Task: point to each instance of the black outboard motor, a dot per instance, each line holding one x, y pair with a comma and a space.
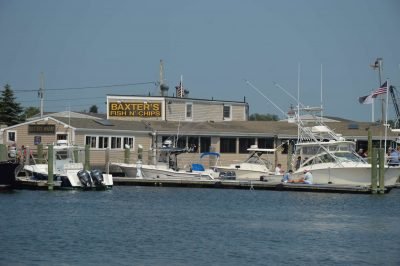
97, 177
84, 177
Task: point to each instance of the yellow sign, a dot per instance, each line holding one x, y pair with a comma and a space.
137, 109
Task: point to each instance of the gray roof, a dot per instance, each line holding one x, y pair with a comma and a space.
280, 129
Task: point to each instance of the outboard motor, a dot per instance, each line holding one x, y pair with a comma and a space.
84, 177
97, 177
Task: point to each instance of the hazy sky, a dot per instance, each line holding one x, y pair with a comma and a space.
215, 45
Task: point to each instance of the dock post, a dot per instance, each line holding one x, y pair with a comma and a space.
381, 189
108, 161
373, 170
50, 169
127, 155
40, 153
3, 152
76, 155
369, 144
140, 152
87, 158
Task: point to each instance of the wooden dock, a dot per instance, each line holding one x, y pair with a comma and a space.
243, 184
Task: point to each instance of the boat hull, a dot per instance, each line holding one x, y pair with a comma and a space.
359, 175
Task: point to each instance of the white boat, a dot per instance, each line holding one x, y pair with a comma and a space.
256, 167
67, 172
331, 159
167, 167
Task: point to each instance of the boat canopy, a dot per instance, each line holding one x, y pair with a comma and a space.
204, 154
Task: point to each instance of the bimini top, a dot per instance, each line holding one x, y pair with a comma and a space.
209, 154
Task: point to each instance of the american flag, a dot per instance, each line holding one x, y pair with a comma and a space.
381, 90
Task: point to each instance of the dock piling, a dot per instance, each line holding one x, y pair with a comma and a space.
374, 169
50, 168
381, 189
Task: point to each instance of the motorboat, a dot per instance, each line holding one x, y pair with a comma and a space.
255, 167
8, 172
67, 171
167, 167
330, 157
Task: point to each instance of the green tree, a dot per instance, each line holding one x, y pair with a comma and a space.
263, 117
93, 109
10, 110
31, 111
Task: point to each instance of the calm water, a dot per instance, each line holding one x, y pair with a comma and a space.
183, 226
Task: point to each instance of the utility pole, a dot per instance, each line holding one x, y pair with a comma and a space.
41, 93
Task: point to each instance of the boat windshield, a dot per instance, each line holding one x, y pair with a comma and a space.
256, 158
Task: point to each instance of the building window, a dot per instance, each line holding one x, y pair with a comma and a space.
61, 136
128, 142
189, 111
265, 143
205, 144
245, 143
104, 142
116, 143
91, 141
227, 112
12, 136
227, 145
193, 144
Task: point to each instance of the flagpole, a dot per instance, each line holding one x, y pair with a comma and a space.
386, 111
373, 110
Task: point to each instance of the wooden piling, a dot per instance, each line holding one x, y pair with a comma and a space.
40, 153
369, 144
140, 152
76, 155
50, 169
87, 158
108, 161
382, 159
374, 169
3, 152
127, 155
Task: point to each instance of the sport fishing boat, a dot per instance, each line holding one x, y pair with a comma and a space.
68, 172
331, 158
255, 167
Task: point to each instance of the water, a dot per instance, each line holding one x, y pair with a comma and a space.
185, 226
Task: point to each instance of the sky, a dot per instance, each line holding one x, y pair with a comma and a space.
83, 47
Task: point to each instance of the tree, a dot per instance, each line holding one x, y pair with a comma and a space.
31, 111
263, 117
10, 110
93, 109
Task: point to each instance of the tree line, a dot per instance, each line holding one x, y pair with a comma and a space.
12, 113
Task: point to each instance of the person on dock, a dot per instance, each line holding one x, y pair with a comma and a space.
287, 177
298, 163
306, 179
393, 157
278, 169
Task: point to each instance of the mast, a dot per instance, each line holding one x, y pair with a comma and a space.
321, 98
